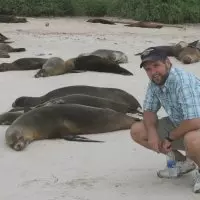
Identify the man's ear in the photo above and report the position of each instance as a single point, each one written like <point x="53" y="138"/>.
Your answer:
<point x="168" y="63"/>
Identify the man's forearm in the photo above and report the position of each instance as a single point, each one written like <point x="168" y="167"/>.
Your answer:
<point x="185" y="127"/>
<point x="150" y="121"/>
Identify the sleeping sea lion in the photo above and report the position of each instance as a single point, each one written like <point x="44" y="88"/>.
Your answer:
<point x="52" y="67"/>
<point x="4" y="54"/>
<point x="189" y="55"/>
<point x="23" y="64"/>
<point x="111" y="55"/>
<point x="169" y="50"/>
<point x="12" y="19"/>
<point x="83" y="64"/>
<point x="102" y="21"/>
<point x="8" y="118"/>
<point x="64" y="121"/>
<point x="113" y="94"/>
<point x="8" y="48"/>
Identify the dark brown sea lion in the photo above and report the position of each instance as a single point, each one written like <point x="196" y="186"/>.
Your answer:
<point x="12" y="19"/>
<point x="143" y="24"/>
<point x="83" y="64"/>
<point x="111" y="55"/>
<point x="8" y="48"/>
<point x="102" y="21"/>
<point x="8" y="118"/>
<point x="82" y="99"/>
<point x="23" y="64"/>
<point x="114" y="94"/>
<point x="169" y="50"/>
<point x="64" y="121"/>
<point x="4" y="54"/>
<point x="93" y="101"/>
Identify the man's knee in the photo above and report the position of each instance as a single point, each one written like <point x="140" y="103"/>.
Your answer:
<point x="192" y="141"/>
<point x="138" y="131"/>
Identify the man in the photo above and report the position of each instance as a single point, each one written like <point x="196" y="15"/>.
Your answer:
<point x="178" y="92"/>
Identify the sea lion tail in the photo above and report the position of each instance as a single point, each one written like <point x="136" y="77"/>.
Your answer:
<point x="18" y="49"/>
<point x="138" y="54"/>
<point x="125" y="72"/>
<point x="77" y="138"/>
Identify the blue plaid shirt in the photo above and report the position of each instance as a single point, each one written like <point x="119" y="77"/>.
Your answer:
<point x="179" y="96"/>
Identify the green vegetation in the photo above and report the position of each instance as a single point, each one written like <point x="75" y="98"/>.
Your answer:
<point x="167" y="11"/>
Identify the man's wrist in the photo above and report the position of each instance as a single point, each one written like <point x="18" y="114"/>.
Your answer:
<point x="169" y="139"/>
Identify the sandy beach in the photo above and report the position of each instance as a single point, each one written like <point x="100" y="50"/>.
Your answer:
<point x="61" y="170"/>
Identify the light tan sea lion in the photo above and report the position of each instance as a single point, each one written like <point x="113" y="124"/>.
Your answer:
<point x="64" y="121"/>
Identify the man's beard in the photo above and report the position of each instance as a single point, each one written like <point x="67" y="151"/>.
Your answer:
<point x="160" y="79"/>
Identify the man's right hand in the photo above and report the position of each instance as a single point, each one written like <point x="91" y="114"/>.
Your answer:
<point x="154" y="141"/>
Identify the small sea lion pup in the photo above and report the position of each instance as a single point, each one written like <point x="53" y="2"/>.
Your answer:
<point x="64" y="121"/>
<point x="23" y="64"/>
<point x="111" y="55"/>
<point x="114" y="94"/>
<point x="55" y="67"/>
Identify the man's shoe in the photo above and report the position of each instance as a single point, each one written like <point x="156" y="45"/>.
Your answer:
<point x="183" y="168"/>
<point x="196" y="188"/>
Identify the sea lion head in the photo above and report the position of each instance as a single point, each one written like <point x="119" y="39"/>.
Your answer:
<point x="187" y="59"/>
<point x="41" y="73"/>
<point x="15" y="139"/>
<point x="19" y="102"/>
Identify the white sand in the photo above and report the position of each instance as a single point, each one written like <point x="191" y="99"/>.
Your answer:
<point x="57" y="169"/>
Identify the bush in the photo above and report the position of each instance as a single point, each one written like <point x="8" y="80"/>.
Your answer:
<point x="166" y="11"/>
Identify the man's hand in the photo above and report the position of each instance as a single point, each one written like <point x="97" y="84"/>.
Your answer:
<point x="166" y="146"/>
<point x="154" y="141"/>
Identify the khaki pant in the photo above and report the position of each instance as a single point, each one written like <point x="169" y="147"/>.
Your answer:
<point x="165" y="126"/>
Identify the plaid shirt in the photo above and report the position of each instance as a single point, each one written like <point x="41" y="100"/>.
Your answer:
<point x="180" y="96"/>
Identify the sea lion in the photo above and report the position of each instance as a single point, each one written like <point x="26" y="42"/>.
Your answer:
<point x="102" y="21"/>
<point x="8" y="118"/>
<point x="111" y="55"/>
<point x="189" y="55"/>
<point x="8" y="48"/>
<point x="82" y="99"/>
<point x="12" y="19"/>
<point x="4" y="54"/>
<point x="114" y="94"/>
<point x="64" y="121"/>
<point x="143" y="24"/>
<point x="23" y="64"/>
<point x="169" y="50"/>
<point x="83" y="64"/>
<point x="52" y="67"/>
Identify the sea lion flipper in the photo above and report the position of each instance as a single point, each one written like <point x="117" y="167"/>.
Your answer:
<point x="79" y="138"/>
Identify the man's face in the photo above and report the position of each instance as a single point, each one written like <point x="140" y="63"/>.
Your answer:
<point x="157" y="71"/>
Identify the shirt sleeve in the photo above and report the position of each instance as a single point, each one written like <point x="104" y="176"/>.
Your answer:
<point x="189" y="99"/>
<point x="151" y="101"/>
